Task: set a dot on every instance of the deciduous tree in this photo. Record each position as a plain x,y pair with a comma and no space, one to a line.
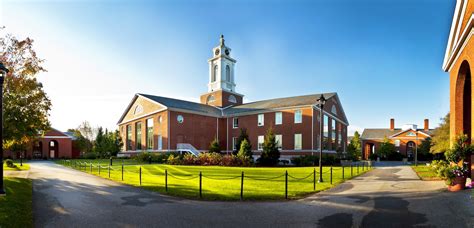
440,142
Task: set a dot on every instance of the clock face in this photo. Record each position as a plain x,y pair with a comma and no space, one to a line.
180,119
227,52
217,52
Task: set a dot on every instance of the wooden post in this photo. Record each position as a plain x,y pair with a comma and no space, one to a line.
286,184
314,179
242,186
166,180
343,172
331,175
200,184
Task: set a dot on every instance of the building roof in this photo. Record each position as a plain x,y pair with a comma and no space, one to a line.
184,105
276,103
258,106
380,133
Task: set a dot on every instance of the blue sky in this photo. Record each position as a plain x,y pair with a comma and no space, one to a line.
383,57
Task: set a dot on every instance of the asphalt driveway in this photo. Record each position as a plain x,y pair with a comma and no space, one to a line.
386,197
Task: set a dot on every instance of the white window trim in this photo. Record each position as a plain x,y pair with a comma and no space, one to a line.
301,116
301,141
233,122
279,142
281,118
258,142
263,120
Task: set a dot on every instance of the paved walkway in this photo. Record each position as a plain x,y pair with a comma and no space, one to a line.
385,197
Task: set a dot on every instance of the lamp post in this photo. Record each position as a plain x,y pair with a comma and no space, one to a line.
3,73
416,149
321,102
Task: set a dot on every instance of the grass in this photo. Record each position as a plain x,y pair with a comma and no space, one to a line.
221,183
16,206
424,172
18,167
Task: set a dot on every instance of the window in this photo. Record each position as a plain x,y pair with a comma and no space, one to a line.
160,142
232,99
411,134
339,135
138,110
214,75
235,122
397,143
210,99
334,110
180,119
261,138
333,134
298,141
298,116
278,118
129,137
160,119
234,144
279,141
260,119
325,132
138,135
227,73
149,134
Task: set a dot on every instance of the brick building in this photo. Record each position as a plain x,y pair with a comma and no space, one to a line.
405,139
458,59
53,144
160,124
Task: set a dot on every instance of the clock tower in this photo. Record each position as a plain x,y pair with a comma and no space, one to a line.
221,87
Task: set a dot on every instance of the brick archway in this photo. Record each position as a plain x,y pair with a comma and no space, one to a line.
463,101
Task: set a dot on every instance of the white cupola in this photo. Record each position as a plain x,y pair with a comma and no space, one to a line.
221,69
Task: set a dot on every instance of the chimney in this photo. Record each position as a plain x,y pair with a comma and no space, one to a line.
427,124
392,124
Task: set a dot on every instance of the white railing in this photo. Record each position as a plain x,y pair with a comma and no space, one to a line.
186,147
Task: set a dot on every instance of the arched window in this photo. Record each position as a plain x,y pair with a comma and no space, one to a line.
232,99
334,110
214,75
210,99
227,73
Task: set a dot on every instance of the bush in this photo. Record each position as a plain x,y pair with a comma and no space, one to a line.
9,163
310,160
207,159
174,160
90,155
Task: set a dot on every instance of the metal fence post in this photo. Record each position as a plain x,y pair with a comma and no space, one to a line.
111,163
286,184
99,169
91,167
357,168
352,174
166,180
331,175
314,179
140,174
200,184
242,187
109,171
122,171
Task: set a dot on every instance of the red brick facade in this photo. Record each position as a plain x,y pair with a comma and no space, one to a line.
54,144
459,62
187,126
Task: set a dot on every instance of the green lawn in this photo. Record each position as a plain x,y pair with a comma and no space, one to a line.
221,183
18,167
424,172
16,206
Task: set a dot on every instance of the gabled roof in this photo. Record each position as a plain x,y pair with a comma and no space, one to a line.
381,133
277,103
258,106
172,103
